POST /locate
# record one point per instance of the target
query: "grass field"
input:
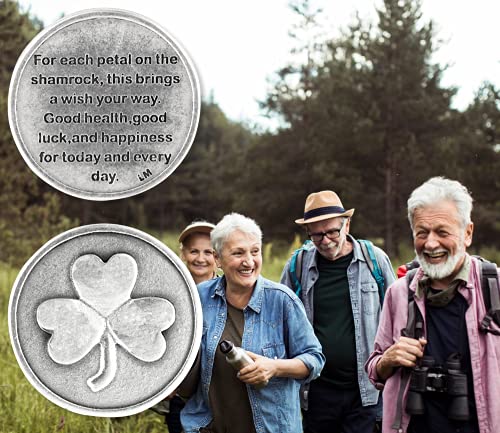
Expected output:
(24, 410)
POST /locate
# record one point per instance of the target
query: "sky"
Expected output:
(237, 45)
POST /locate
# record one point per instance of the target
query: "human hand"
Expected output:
(259, 372)
(403, 353)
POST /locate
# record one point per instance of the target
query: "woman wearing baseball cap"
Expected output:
(197, 251)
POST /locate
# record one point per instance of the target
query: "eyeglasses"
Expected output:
(330, 234)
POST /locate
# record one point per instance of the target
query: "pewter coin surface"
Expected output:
(105, 320)
(104, 104)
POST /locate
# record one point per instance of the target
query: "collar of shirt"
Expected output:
(255, 302)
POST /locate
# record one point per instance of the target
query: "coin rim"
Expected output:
(41, 38)
(19, 285)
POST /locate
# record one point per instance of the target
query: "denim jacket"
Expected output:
(276, 326)
(365, 304)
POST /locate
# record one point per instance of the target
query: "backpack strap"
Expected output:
(371, 260)
(292, 270)
(414, 329)
(295, 268)
(410, 275)
(415, 323)
(491, 294)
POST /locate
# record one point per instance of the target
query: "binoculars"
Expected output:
(450, 380)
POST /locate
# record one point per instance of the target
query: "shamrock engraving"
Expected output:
(105, 314)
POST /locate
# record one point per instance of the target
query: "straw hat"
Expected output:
(321, 206)
(196, 227)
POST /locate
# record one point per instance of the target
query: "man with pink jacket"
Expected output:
(439, 372)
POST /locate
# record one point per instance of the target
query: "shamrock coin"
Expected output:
(105, 320)
(104, 104)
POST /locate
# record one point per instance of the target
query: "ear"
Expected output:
(347, 225)
(182, 255)
(468, 234)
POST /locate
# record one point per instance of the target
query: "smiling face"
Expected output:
(331, 249)
(241, 260)
(198, 254)
(440, 241)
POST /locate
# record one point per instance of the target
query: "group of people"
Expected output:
(321, 357)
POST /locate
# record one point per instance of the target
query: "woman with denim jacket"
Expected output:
(269, 322)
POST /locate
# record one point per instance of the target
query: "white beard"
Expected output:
(441, 270)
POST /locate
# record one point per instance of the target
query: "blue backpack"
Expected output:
(295, 268)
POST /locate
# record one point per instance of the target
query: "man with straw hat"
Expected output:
(343, 303)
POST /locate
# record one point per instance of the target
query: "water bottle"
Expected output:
(238, 358)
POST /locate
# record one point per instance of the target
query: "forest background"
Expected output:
(364, 114)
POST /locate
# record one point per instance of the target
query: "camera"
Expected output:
(431, 378)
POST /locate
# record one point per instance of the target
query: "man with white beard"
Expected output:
(439, 371)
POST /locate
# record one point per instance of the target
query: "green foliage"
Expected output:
(478, 134)
(365, 114)
(202, 187)
(490, 253)
(29, 216)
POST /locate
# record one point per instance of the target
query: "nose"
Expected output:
(199, 258)
(325, 239)
(248, 260)
(432, 241)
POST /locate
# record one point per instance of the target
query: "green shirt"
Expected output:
(228, 395)
(334, 323)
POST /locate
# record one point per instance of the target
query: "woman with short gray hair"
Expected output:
(228, 225)
(269, 322)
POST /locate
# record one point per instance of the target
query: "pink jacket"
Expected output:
(484, 352)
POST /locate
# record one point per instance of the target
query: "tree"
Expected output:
(29, 214)
(202, 186)
(291, 162)
(411, 108)
(372, 114)
(477, 151)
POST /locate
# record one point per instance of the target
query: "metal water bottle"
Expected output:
(238, 358)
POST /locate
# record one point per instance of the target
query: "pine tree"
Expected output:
(373, 117)
(477, 146)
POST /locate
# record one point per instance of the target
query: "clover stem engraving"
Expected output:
(107, 365)
(105, 314)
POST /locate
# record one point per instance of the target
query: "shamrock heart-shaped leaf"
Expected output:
(74, 326)
(104, 286)
(138, 324)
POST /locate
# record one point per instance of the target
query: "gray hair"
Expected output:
(228, 224)
(439, 189)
